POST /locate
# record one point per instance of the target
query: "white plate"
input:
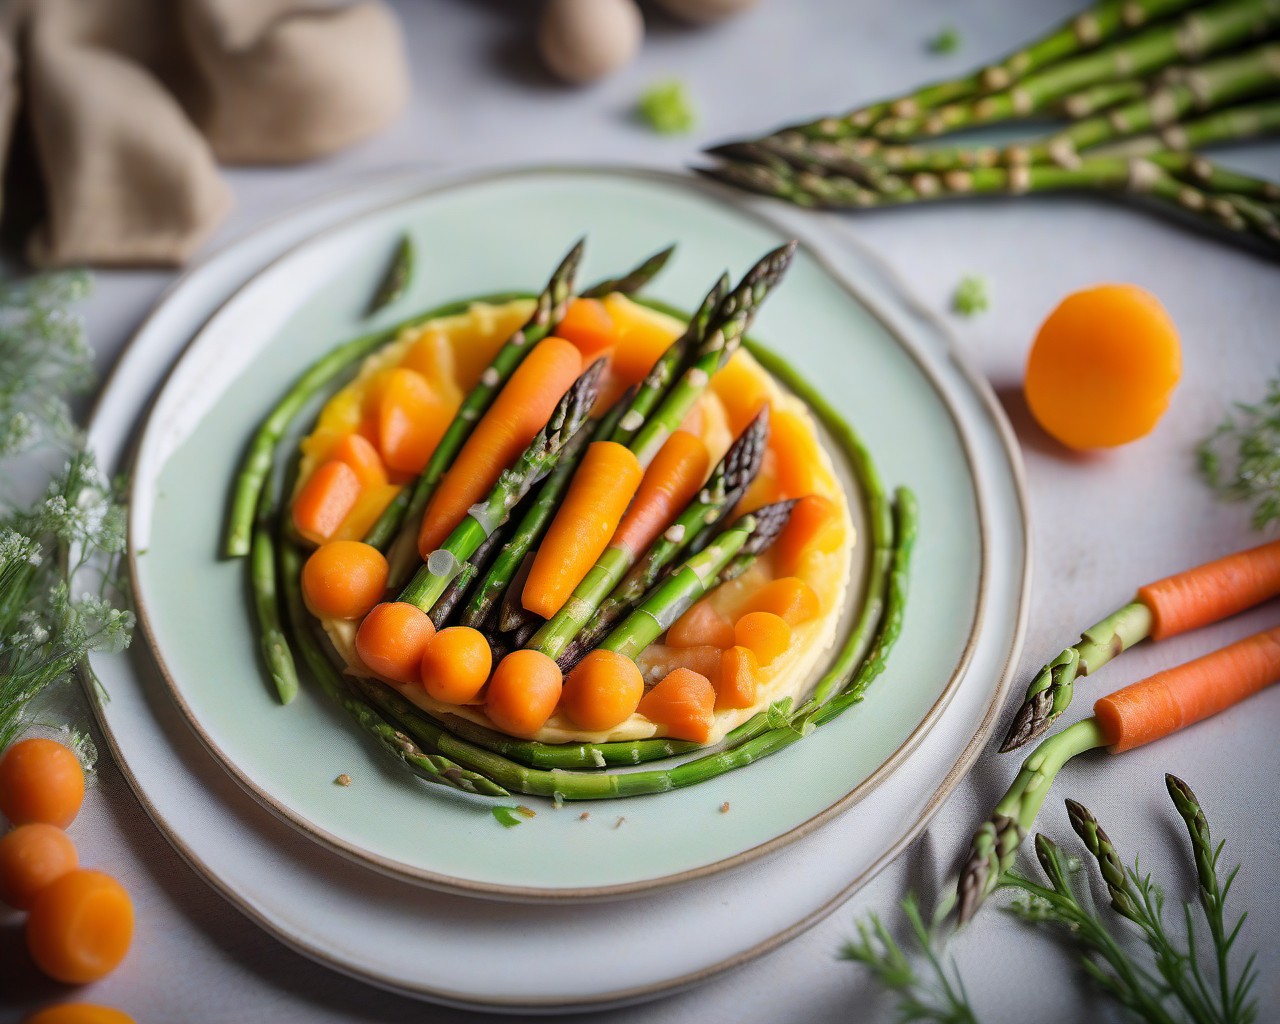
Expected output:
(445, 947)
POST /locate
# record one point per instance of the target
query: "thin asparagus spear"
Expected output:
(723, 489)
(1212, 177)
(456, 591)
(1194, 36)
(1235, 124)
(723, 333)
(1097, 98)
(258, 458)
(274, 642)
(538, 459)
(632, 281)
(396, 278)
(663, 372)
(513, 613)
(1050, 692)
(673, 596)
(547, 312)
(429, 767)
(996, 842)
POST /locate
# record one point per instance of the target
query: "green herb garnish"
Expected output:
(666, 108)
(946, 41)
(970, 296)
(396, 277)
(1241, 459)
(510, 817)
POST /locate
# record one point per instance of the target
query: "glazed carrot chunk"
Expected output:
(79, 1013)
(392, 640)
(765, 634)
(344, 579)
(792, 444)
(523, 693)
(683, 703)
(589, 327)
(40, 780)
(814, 526)
(1103, 366)
(31, 857)
(737, 679)
(368, 507)
(701, 625)
(455, 665)
(703, 659)
(641, 338)
(411, 421)
(324, 500)
(602, 690)
(358, 453)
(741, 391)
(790, 598)
(80, 927)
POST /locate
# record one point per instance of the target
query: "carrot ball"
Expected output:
(344, 579)
(523, 692)
(80, 927)
(392, 640)
(602, 690)
(40, 780)
(79, 1013)
(456, 664)
(31, 857)
(1103, 367)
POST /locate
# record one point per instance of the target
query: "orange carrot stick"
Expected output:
(324, 500)
(601, 489)
(1177, 697)
(669, 484)
(1216, 590)
(515, 416)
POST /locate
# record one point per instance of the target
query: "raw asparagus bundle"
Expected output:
(1140, 93)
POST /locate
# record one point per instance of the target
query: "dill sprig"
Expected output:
(58, 595)
(1171, 987)
(1240, 460)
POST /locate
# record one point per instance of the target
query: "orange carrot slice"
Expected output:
(683, 703)
(670, 482)
(790, 598)
(588, 325)
(640, 339)
(598, 495)
(1216, 590)
(1177, 697)
(523, 692)
(324, 500)
(411, 420)
(737, 679)
(358, 453)
(792, 444)
(701, 625)
(602, 690)
(365, 512)
(814, 525)
(516, 415)
(766, 634)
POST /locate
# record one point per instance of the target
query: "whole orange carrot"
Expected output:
(670, 483)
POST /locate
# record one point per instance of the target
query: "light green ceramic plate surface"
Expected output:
(505, 232)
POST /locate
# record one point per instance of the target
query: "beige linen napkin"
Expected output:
(131, 103)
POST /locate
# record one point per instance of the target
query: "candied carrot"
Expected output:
(683, 703)
(602, 691)
(597, 497)
(523, 692)
(392, 640)
(412, 418)
(790, 598)
(701, 624)
(516, 415)
(588, 325)
(668, 485)
(358, 453)
(1216, 590)
(324, 500)
(1177, 697)
(455, 665)
(763, 633)
(814, 525)
(737, 679)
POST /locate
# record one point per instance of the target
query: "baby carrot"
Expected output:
(601, 489)
(1177, 697)
(515, 416)
(324, 501)
(1216, 590)
(669, 484)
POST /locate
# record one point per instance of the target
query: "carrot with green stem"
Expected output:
(1173, 605)
(1140, 713)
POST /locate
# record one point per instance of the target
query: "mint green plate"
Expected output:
(919, 414)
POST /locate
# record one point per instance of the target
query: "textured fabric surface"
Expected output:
(132, 104)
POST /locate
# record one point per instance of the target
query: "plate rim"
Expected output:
(434, 184)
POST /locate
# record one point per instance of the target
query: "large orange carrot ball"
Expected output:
(33, 856)
(40, 780)
(1103, 367)
(80, 927)
(79, 1013)
(392, 639)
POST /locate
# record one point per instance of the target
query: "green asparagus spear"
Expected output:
(1235, 124)
(632, 281)
(396, 279)
(274, 641)
(723, 333)
(538, 459)
(723, 489)
(456, 592)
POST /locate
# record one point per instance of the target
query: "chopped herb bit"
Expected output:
(342, 780)
(970, 296)
(618, 823)
(508, 817)
(666, 108)
(395, 279)
(724, 807)
(946, 41)
(1241, 459)
(528, 812)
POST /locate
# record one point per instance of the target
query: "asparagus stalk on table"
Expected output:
(538, 459)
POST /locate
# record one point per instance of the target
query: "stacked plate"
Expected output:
(420, 890)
